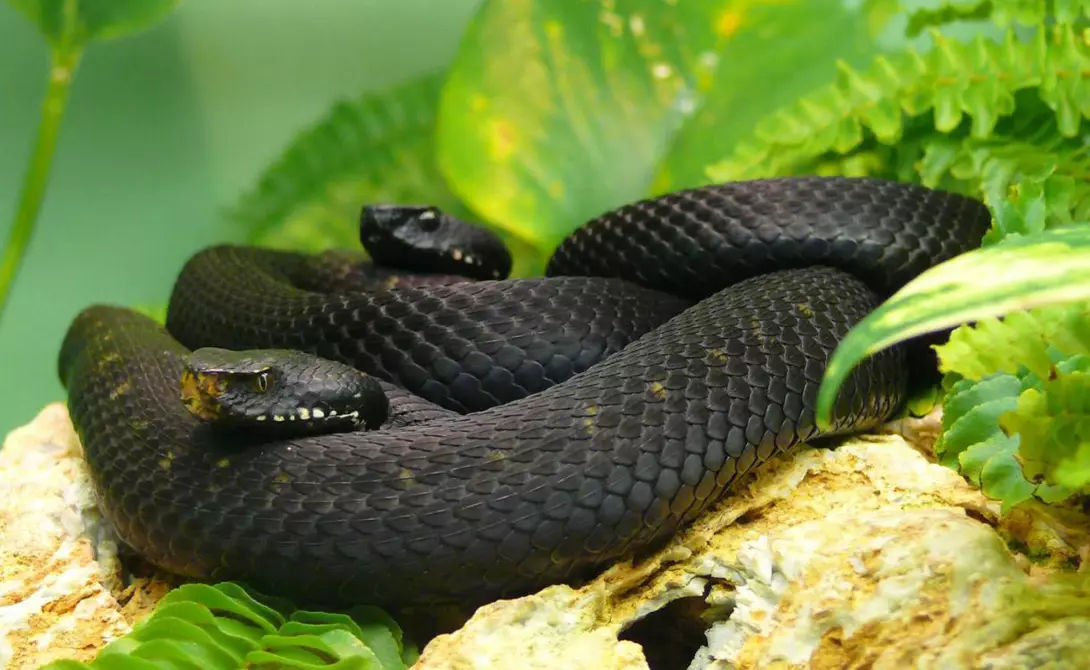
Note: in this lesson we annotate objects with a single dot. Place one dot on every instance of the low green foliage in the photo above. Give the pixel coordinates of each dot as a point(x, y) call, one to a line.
point(73, 23)
point(69, 27)
point(1002, 120)
point(549, 115)
point(226, 626)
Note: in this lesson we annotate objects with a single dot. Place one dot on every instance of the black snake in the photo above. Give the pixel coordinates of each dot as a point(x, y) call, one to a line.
point(560, 422)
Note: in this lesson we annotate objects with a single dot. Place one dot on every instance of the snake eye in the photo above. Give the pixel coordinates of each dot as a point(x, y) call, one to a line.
point(261, 382)
point(428, 220)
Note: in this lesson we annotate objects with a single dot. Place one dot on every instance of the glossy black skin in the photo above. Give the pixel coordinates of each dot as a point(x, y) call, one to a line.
point(284, 392)
point(427, 239)
point(595, 415)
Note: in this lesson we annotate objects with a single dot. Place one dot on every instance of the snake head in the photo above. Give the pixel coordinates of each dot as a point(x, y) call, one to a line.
point(284, 391)
point(424, 239)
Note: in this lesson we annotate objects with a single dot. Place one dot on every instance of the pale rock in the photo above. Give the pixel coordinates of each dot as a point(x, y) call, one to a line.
point(62, 590)
point(867, 556)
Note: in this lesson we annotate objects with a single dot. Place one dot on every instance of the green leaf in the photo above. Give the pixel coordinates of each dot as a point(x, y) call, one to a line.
point(940, 13)
point(981, 80)
point(1033, 339)
point(1001, 475)
point(779, 53)
point(971, 414)
point(230, 626)
point(238, 605)
point(334, 649)
point(376, 635)
point(1053, 419)
point(1020, 272)
point(378, 147)
point(973, 442)
point(375, 148)
point(556, 111)
point(157, 311)
point(73, 23)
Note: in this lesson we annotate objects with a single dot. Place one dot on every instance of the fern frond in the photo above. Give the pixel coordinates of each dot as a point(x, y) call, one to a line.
point(1034, 340)
point(964, 87)
point(378, 147)
point(998, 434)
point(1053, 421)
point(935, 13)
point(973, 442)
point(997, 119)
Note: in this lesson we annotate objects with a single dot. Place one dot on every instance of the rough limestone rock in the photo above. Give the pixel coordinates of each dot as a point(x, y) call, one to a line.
point(62, 593)
point(867, 556)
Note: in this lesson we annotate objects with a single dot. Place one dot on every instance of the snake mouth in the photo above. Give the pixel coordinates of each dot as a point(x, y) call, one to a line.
point(200, 395)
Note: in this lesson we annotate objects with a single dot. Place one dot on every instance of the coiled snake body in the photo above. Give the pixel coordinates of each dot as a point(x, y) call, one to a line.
point(576, 417)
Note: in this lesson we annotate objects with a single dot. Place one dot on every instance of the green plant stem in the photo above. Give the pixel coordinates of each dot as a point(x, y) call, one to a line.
point(62, 69)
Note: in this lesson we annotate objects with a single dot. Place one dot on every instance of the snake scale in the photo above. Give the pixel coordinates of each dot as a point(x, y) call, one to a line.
point(555, 424)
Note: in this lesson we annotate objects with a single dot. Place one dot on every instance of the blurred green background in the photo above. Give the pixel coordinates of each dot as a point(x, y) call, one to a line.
point(164, 129)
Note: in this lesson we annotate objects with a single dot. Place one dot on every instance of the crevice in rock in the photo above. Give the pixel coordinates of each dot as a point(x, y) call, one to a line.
point(749, 516)
point(671, 636)
point(978, 515)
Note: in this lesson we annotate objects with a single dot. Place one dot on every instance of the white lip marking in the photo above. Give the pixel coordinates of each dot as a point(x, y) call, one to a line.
point(318, 413)
point(332, 412)
point(457, 253)
point(304, 413)
point(278, 418)
point(427, 215)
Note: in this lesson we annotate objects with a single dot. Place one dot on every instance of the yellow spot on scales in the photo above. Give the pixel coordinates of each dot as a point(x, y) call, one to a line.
point(223, 463)
point(589, 424)
point(404, 479)
point(108, 359)
point(167, 459)
point(279, 481)
point(122, 388)
point(658, 390)
point(138, 424)
point(718, 355)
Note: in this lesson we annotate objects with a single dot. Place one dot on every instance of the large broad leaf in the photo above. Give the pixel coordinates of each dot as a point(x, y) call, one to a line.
point(1020, 272)
point(783, 52)
point(557, 111)
point(378, 147)
point(76, 22)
